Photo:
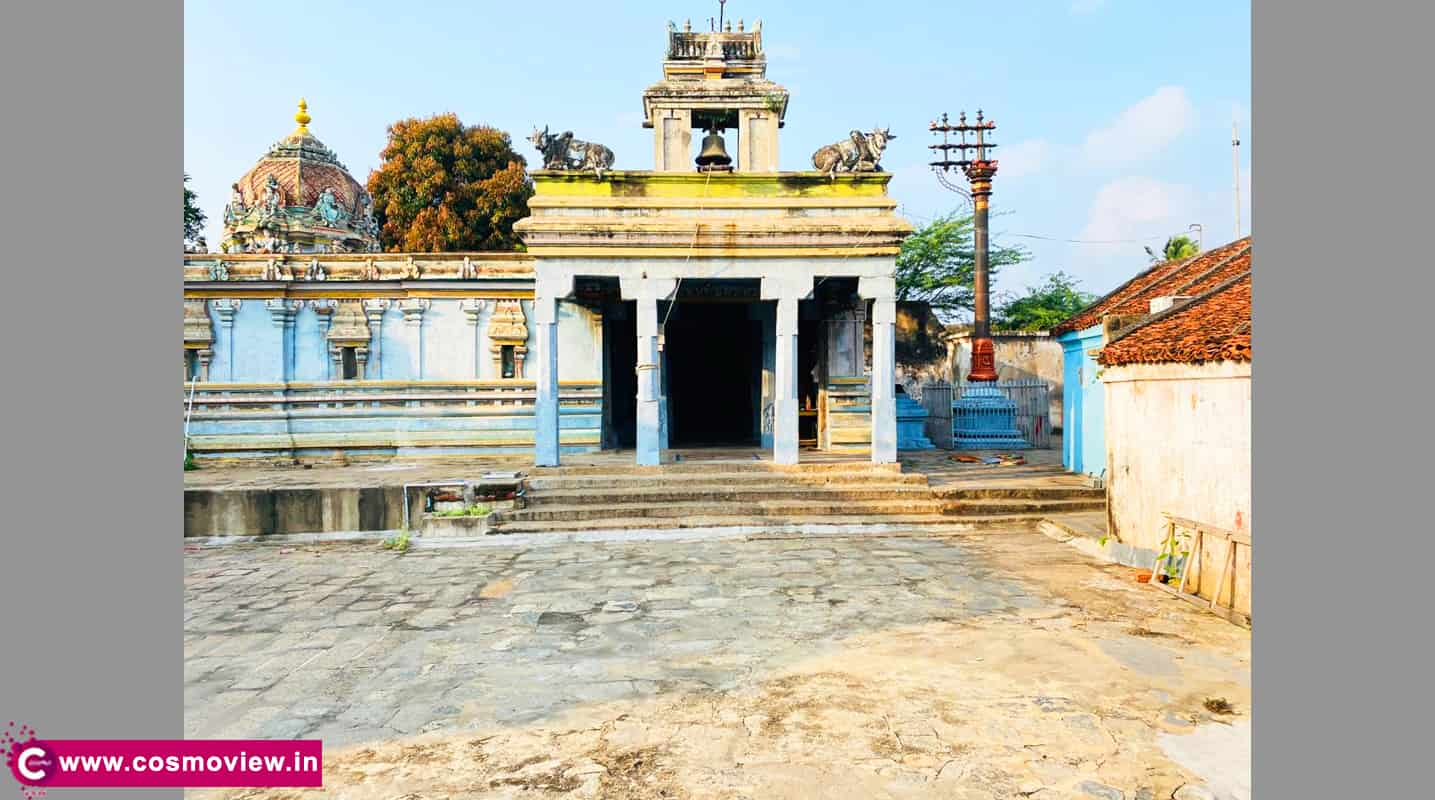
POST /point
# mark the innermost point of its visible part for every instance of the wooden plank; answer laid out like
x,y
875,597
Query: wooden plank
x,y
1222,533
1226,559
1192,556
1230,615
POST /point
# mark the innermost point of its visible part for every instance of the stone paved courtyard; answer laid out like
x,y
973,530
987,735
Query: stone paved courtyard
x,y
999,665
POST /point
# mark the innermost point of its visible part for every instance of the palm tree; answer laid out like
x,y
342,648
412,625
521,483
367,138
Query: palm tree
x,y
1177,247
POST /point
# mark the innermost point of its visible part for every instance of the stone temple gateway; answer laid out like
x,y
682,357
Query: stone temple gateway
x,y
682,306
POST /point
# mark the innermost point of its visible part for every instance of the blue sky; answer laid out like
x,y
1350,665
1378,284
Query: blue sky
x,y
1114,116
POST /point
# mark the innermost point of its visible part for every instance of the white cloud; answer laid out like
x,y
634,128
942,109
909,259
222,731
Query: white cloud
x,y
1142,130
1133,208
1023,158
1086,6
1126,214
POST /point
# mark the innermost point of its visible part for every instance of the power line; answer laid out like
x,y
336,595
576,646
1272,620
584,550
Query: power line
x,y
905,211
1088,241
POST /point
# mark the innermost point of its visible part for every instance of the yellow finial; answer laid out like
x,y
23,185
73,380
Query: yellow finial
x,y
303,116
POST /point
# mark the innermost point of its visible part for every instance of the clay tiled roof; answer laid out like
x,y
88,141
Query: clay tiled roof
x,y
1189,277
1214,327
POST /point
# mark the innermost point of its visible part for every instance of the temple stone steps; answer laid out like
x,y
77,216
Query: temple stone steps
x,y
610,497
719,506
1021,492
688,480
767,523
1002,507
735,493
710,467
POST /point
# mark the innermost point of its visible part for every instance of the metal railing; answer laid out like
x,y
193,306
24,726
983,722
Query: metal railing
x,y
1033,412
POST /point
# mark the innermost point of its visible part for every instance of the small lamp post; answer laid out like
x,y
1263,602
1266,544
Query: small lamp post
x,y
984,418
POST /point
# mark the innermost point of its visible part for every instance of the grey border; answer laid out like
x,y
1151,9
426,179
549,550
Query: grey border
x,y
92,597
1341,451
91,571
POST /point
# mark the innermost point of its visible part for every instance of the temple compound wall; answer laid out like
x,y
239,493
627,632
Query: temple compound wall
x,y
327,356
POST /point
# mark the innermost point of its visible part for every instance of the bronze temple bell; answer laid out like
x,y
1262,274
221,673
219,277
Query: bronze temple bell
x,y
714,157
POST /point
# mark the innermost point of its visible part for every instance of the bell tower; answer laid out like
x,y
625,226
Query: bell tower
x,y
716,83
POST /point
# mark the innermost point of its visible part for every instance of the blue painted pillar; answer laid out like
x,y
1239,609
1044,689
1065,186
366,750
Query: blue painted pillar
x,y
652,436
545,362
225,308
413,310
663,416
282,313
374,312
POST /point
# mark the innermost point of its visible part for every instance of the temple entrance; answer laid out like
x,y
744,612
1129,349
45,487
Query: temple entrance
x,y
620,381
713,359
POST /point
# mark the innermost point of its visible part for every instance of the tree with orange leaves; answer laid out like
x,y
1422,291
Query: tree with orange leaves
x,y
444,186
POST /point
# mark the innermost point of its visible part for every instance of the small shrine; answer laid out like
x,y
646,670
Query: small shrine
x,y
299,199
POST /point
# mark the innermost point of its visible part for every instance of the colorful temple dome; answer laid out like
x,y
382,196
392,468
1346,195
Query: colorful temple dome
x,y
299,199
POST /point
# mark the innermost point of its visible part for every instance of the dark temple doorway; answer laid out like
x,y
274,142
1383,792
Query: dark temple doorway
x,y
620,379
714,364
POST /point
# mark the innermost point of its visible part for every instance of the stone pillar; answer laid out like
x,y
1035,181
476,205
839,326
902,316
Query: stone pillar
x,y
882,291
374,312
784,427
472,312
673,140
763,314
413,310
787,292
545,409
647,292
225,308
547,291
324,314
757,141
282,313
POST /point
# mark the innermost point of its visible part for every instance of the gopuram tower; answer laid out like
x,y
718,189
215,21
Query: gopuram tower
x,y
739,304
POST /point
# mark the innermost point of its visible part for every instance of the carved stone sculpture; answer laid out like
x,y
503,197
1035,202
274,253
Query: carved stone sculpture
x,y
365,221
328,211
235,210
861,152
563,152
273,197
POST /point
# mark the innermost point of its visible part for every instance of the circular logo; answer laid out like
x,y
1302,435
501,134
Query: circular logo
x,y
34,763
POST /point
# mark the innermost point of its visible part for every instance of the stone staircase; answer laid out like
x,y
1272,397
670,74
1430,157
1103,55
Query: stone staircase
x,y
703,494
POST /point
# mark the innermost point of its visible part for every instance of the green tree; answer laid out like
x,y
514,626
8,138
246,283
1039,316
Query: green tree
x,y
1177,247
193,217
444,186
937,263
1044,306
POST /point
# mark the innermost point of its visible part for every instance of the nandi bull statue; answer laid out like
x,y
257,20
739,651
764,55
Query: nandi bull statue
x,y
564,152
861,152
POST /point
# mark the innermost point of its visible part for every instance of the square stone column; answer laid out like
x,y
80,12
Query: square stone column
x,y
545,378
882,292
784,406
550,287
787,291
757,140
647,292
673,140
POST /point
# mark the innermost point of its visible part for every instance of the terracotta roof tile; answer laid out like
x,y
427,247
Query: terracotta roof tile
x,y
1191,276
1214,327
